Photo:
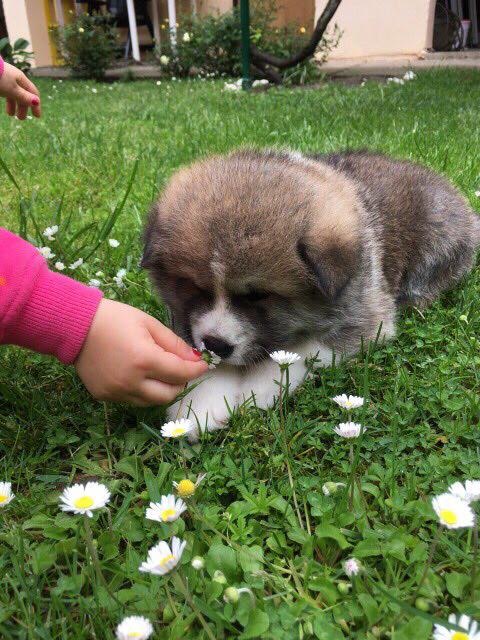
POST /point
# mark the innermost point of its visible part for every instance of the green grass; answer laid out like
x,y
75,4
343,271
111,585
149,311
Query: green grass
x,y
423,404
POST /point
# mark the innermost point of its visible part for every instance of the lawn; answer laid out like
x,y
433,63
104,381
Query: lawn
x,y
74,168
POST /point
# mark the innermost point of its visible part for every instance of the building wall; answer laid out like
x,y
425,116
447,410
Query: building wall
x,y
382,27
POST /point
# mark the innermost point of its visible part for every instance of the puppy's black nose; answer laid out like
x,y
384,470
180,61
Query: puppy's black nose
x,y
218,346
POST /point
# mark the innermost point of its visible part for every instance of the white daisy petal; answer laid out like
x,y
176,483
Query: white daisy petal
x,y
177,428
470,491
46,253
113,243
6,495
452,511
352,567
348,402
162,559
349,429
470,626
167,510
284,358
84,499
136,627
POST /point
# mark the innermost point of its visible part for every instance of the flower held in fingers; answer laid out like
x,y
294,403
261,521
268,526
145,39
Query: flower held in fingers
x,y
177,428
471,629
136,627
85,498
162,559
452,511
210,357
349,429
186,488
348,402
6,494
167,510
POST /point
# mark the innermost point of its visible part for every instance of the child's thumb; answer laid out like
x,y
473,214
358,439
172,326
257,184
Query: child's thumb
x,y
169,341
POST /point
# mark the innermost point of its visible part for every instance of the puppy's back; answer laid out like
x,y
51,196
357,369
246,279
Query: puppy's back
x,y
428,232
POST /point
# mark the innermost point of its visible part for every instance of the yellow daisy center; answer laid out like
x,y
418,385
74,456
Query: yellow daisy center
x,y
178,431
448,517
185,488
459,635
134,634
3,498
84,502
167,513
166,559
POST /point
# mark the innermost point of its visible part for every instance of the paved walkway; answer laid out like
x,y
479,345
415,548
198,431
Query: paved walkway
x,y
342,68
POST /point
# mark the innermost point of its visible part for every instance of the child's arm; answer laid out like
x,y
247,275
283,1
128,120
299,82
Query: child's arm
x,y
19,91
120,352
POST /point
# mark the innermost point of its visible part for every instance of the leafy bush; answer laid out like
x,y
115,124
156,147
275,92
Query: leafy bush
x,y
87,45
16,54
210,45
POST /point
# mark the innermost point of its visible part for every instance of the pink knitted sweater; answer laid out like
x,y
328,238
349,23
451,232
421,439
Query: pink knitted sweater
x,y
40,309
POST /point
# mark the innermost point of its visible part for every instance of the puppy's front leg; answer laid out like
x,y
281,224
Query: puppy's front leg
x,y
262,380
207,405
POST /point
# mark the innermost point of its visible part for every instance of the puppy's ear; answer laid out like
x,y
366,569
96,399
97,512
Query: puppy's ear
x,y
151,237
331,265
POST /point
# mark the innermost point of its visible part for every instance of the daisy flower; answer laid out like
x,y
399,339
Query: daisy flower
x,y
470,626
210,357
167,510
162,559
452,511
76,264
59,266
46,252
164,59
50,232
198,563
409,75
349,429
94,282
352,567
85,498
118,279
136,627
284,358
113,243
186,488
6,494
186,37
177,428
470,491
477,193
348,402
331,487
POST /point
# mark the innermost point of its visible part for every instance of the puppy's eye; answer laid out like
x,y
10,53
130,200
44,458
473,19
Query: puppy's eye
x,y
254,295
190,288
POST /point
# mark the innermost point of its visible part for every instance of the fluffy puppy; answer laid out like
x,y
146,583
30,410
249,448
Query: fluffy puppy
x,y
258,251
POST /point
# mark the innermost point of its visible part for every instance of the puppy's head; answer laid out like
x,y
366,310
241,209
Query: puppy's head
x,y
252,251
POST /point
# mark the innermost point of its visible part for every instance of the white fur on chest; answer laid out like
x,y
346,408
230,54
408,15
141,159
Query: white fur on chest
x,y
226,387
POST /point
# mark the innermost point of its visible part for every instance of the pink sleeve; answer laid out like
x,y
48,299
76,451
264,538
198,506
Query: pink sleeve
x,y
2,66
40,309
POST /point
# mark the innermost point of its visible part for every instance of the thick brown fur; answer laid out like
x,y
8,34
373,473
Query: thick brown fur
x,y
294,247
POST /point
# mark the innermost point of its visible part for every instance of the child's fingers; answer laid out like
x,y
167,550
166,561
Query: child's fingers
x,y
22,111
27,84
37,110
169,341
168,367
25,98
153,392
10,107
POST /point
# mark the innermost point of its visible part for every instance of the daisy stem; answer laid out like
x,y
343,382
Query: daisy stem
x,y
96,562
285,444
177,578
352,479
433,547
475,559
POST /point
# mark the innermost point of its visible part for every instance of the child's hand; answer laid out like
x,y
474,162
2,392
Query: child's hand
x,y
20,92
131,357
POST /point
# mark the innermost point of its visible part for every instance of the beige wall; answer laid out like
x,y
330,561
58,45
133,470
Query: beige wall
x,y
382,27
26,19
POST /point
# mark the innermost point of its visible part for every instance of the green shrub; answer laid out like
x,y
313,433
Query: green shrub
x,y
87,45
210,46
16,53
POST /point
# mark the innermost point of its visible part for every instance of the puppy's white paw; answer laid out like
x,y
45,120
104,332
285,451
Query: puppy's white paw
x,y
209,404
